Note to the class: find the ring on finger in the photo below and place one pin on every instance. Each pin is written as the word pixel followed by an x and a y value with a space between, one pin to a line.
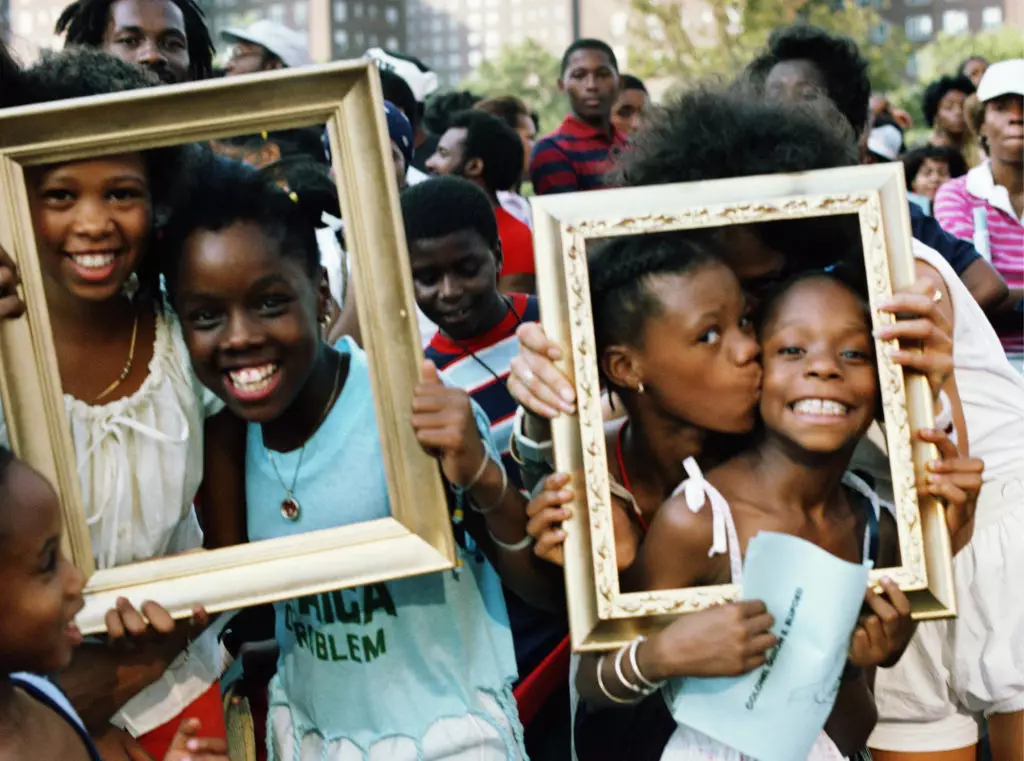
pixel 526 375
pixel 937 296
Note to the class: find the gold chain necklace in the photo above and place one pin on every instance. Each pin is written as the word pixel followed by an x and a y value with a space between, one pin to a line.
pixel 127 365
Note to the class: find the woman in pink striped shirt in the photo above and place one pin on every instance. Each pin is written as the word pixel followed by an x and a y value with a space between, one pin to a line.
pixel 987 204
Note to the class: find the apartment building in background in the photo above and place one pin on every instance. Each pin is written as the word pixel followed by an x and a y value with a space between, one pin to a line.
pixel 922 20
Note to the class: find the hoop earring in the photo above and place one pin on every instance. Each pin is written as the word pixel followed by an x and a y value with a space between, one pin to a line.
pixel 130 287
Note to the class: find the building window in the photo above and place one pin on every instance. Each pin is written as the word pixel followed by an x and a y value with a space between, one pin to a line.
pixel 455 61
pixel 438 25
pixel 357 10
pixel 300 14
pixel 619 23
pixel 371 11
pixel 391 15
pixel 341 40
pixel 475 58
pixel 493 19
pixel 391 43
pixel 918 28
pixel 955 22
pixel 992 17
pixel 492 39
pixel 474 39
pixel 276 13
pixel 517 18
pixel 559 13
pixel 879 34
pixel 474 21
pixel 360 40
pixel 371 41
pixel 438 44
pixel 916 3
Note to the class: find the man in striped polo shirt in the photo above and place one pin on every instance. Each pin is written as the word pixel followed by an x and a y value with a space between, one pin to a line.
pixel 579 154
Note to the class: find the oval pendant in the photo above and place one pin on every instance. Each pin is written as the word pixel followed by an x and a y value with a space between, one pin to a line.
pixel 290 509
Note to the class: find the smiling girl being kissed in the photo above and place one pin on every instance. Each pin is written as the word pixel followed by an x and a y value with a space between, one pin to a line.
pixel 417 668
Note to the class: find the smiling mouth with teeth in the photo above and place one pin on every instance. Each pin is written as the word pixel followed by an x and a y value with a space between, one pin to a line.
pixel 93 261
pixel 253 380
pixel 820 407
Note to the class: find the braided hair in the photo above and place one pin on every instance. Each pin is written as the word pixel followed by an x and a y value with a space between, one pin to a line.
pixel 85 23
pixel 621 273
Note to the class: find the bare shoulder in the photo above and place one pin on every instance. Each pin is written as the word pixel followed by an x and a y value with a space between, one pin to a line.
pixel 42 733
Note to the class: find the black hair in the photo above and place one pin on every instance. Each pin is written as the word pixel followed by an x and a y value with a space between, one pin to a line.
pixel 852 278
pixel 305 142
pixel 311 182
pixel 442 206
pixel 440 108
pixel 709 134
pixel 629 82
pixel 10 78
pixel 85 23
pixel 588 43
pixel 969 59
pixel 397 91
pixel 500 148
pixel 938 89
pixel 226 192
pixel 620 274
pixel 80 72
pixel 914 160
pixel 6 458
pixel 837 57
pixel 508 108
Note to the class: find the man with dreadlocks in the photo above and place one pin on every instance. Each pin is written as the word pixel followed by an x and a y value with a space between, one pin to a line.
pixel 168 37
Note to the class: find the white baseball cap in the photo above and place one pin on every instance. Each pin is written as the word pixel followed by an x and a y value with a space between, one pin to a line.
pixel 287 44
pixel 885 141
pixel 1003 78
pixel 422 83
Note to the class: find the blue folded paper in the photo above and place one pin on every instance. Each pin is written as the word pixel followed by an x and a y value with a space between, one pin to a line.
pixel 776 712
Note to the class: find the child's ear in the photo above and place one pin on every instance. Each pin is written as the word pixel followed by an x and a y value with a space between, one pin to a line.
pixel 621 366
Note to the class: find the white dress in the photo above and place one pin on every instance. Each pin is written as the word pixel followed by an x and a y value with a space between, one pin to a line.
pixel 140 463
pixel 957 671
pixel 686 743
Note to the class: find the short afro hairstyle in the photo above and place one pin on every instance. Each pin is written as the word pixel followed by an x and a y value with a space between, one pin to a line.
pixel 914 160
pixel 508 108
pixel 492 141
pixel 713 133
pixel 10 78
pixel 843 67
pixel 443 206
pixel 397 91
pixel 621 272
pixel 588 43
pixel 80 72
pixel 304 142
pixel 629 82
pixel 85 23
pixel 224 192
pixel 938 90
pixel 440 108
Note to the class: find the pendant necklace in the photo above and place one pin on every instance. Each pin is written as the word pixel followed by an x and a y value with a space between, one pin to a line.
pixel 290 507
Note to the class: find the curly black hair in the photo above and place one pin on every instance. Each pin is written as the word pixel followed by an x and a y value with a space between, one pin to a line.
pixel 10 78
pixel 489 139
pixel 843 67
pixel 85 23
pixel 938 89
pixel 713 133
pixel 629 82
pixel 310 181
pixel 303 142
pixel 508 108
pixel 442 206
pixel 440 108
pixel 621 272
pixel 588 43
pixel 81 72
pixel 914 160
pixel 397 91
pixel 224 192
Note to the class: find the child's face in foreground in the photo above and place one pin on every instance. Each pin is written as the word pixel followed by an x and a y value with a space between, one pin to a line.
pixel 92 222
pixel 819 369
pixel 42 590
pixel 249 315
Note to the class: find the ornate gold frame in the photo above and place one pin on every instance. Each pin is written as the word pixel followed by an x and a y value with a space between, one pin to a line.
pixel 600 615
pixel 347 98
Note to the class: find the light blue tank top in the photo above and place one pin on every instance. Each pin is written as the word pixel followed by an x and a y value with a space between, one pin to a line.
pixel 387 659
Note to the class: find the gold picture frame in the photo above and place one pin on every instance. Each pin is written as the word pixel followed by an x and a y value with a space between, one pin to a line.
pixel 601 616
pixel 347 98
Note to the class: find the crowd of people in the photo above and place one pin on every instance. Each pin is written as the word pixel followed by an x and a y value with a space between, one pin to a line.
pixel 211 357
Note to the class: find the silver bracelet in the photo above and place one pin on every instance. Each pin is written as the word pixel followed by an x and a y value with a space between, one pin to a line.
pixel 522 544
pixel 479 472
pixel 944 417
pixel 635 665
pixel 504 488
pixel 622 677
pixel 604 690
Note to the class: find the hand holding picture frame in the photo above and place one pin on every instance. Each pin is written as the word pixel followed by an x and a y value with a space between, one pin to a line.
pixel 601 615
pixel 346 98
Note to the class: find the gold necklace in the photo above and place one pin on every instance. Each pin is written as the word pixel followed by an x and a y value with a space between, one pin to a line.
pixel 127 365
pixel 290 507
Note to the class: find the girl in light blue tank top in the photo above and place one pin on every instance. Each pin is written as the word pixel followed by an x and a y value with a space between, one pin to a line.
pixel 418 668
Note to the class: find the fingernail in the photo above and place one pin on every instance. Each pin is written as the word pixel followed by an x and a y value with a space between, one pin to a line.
pixel 568 394
pixel 192 745
pixel 886 580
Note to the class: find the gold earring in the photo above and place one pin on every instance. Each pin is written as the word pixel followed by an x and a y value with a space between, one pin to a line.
pixel 640 387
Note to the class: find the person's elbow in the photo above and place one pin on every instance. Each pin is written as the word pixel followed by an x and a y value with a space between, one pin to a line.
pixel 986 285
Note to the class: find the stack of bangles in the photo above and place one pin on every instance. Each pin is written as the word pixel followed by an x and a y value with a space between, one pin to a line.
pixel 522 544
pixel 642 688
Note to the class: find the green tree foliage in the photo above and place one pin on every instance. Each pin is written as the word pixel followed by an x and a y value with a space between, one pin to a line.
pixel 528 71
pixel 946 52
pixel 716 38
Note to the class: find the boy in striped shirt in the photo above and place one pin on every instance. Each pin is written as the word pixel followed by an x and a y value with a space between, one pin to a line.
pixel 456 259
pixel 579 154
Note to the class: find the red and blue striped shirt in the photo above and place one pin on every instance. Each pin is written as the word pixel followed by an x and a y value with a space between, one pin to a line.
pixel 574 157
